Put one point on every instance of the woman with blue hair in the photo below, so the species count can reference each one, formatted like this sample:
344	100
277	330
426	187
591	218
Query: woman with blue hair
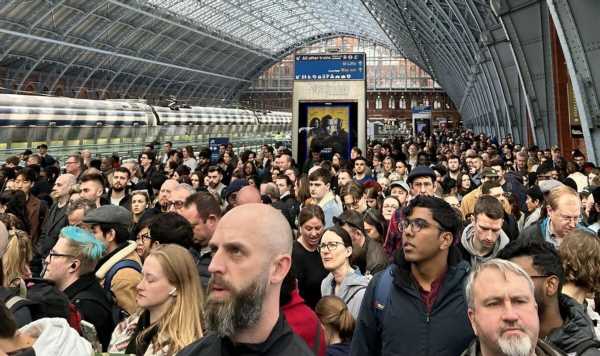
70	265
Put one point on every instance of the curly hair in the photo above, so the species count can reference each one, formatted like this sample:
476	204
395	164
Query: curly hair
580	256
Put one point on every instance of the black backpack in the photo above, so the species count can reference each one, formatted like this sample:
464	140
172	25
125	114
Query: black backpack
108	303
43	300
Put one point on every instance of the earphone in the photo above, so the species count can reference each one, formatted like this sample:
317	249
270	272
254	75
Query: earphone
172	292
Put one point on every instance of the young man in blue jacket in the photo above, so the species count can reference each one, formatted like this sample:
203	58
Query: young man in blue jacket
417	305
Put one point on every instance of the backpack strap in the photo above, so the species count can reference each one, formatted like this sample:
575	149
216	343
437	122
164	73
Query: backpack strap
13	301
383	291
118	266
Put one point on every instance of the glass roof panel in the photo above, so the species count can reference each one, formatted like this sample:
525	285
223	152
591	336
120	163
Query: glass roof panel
275	25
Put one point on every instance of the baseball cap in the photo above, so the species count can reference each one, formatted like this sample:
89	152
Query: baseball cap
400	183
234	187
489	172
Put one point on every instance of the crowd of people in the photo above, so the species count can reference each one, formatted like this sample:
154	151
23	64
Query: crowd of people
452	244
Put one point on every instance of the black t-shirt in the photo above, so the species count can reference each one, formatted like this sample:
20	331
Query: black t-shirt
308	269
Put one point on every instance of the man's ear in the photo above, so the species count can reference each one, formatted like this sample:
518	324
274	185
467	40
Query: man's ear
280	268
471	315
446	239
551	285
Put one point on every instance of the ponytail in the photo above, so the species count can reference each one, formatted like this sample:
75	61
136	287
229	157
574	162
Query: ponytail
334	313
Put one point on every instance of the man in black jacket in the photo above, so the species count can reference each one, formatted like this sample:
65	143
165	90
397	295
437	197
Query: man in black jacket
564	323
70	265
55	221
417	305
203	212
251	249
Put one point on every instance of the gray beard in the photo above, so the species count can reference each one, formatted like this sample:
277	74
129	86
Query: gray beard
241	312
516	346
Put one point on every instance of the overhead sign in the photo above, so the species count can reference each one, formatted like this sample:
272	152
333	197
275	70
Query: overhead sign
346	66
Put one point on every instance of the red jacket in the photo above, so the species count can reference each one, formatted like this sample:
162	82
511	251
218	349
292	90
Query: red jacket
304	322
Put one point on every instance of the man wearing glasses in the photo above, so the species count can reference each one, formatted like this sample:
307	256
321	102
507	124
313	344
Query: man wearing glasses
418	301
70	265
353	197
563	321
564	210
73	165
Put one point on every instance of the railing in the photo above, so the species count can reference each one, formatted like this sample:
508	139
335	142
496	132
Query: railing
130	150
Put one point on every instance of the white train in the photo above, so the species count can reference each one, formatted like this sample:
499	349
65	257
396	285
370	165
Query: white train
67	124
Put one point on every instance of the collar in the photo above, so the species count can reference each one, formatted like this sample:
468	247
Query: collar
549	234
279	331
105	264
84	282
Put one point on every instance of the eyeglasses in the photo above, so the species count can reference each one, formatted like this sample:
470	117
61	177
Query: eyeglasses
417	224
54	254
330	246
143	237
353	205
71	162
574	219
178	204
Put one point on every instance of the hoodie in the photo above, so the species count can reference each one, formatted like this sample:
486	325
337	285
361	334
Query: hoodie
351	290
468	250
54	337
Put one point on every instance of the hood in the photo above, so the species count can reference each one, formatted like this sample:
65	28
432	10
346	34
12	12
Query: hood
118	255
329	196
353	281
56	338
577	327
466	241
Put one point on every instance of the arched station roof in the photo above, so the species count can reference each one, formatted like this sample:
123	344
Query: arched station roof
494	58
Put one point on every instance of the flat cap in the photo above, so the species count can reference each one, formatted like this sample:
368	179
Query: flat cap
108	214
420	171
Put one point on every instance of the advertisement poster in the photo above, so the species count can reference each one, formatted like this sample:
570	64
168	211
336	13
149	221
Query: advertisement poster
327	127
213	145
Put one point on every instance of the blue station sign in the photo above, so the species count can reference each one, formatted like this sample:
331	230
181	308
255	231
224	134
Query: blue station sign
338	66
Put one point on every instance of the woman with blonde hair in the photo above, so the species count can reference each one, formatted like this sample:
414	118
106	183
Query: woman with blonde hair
170	301
338	322
18	255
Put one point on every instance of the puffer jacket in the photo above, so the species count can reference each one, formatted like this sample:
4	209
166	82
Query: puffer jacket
351	290
406	327
576	329
54	337
468	251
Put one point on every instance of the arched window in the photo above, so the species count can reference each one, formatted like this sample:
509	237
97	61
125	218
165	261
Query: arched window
402	103
378	103
391	103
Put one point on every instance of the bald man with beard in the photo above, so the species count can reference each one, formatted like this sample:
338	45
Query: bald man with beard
251	249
